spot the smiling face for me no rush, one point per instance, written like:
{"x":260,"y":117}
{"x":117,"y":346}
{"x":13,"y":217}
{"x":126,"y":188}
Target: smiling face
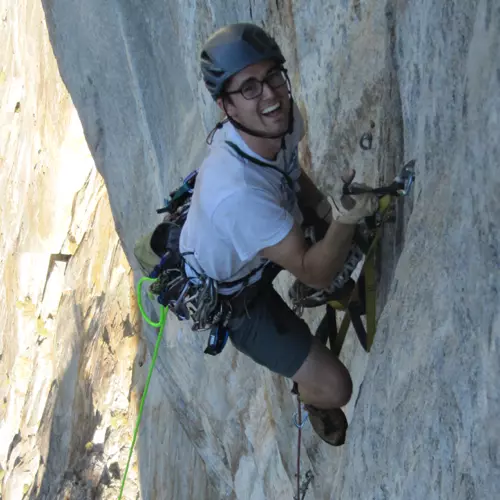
{"x":268,"y":112}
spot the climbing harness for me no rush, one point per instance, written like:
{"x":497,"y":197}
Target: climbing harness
{"x":197,"y":297}
{"x":161,"y":327}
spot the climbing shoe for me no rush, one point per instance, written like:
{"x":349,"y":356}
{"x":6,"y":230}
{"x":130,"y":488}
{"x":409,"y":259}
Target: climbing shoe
{"x":330,"y":425}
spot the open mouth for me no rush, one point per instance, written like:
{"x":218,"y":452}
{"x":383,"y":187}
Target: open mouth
{"x":272,"y":111}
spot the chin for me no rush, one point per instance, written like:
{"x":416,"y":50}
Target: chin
{"x":281,"y":128}
{"x":280,"y":131}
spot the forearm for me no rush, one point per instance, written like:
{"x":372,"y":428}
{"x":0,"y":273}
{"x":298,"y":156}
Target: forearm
{"x":325,"y":259}
{"x":309,"y":195}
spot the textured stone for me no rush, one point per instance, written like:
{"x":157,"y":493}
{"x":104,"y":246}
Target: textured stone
{"x":72,"y":363}
{"x":422,"y":77}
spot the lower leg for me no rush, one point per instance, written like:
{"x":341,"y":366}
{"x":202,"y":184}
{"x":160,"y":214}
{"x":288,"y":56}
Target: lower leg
{"x":324,"y":385}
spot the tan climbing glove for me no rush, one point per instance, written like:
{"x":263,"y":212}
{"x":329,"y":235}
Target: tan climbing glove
{"x":351,"y":209}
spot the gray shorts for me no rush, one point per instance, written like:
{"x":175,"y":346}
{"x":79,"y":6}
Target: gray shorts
{"x":272,"y":334}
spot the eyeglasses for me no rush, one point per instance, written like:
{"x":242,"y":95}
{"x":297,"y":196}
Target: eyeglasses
{"x":252,"y":88}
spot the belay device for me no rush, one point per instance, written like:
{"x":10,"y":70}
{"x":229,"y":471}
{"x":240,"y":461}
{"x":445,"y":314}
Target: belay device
{"x":217,"y":340}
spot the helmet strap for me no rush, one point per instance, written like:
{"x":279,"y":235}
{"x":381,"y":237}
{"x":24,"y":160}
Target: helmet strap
{"x":218,"y":126}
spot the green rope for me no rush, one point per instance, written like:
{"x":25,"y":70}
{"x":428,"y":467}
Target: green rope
{"x":161,"y":325}
{"x":148,"y":320}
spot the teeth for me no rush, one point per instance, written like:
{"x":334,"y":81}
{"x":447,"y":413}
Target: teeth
{"x":270,"y":109}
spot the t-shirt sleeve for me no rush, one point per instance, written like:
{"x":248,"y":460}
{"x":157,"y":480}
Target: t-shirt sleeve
{"x":251,"y":220}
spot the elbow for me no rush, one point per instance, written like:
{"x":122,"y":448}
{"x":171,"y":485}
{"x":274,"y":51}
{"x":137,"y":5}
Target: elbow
{"x":315,"y":278}
{"x":327,"y":278}
{"x":317,"y":282}
{"x":322,"y":283}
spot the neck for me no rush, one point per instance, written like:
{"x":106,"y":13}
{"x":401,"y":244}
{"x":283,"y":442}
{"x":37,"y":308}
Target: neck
{"x":267,"y":148}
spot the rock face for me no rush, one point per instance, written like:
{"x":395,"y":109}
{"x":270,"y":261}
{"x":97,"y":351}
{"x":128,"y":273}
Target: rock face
{"x":422,"y":77}
{"x":72,"y":362}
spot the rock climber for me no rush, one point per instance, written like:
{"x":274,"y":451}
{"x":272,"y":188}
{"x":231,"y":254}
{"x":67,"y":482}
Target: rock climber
{"x":250,"y":207}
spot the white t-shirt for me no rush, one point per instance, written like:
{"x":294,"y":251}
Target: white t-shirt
{"x":238,"y":207}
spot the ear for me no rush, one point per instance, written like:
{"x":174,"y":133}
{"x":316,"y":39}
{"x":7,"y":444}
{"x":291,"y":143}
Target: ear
{"x":226,"y":106}
{"x":220,"y":103}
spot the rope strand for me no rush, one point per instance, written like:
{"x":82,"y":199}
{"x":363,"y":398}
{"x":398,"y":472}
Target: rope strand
{"x":161,"y":326}
{"x":299,"y":416}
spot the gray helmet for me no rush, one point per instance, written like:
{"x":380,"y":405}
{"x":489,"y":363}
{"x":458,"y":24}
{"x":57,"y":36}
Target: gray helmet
{"x":233,"y":48}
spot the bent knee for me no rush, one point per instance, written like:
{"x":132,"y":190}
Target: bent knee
{"x":334,"y":392}
{"x":335,"y":384}
{"x":328,"y":391}
{"x":325,"y":379}
{"x":340,"y":389}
